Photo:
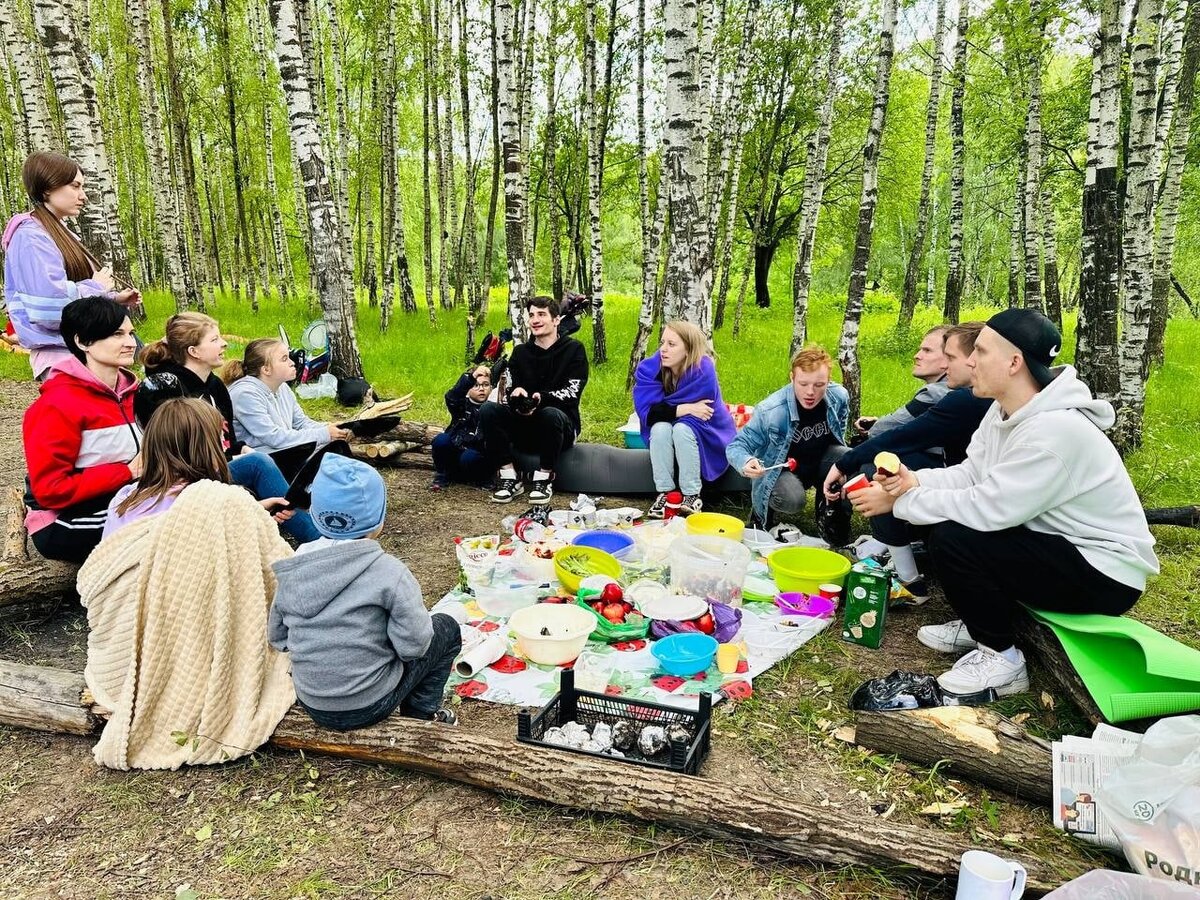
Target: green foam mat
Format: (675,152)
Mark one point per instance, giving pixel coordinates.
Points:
(1131,671)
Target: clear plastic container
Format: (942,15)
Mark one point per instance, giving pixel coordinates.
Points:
(709,566)
(594,670)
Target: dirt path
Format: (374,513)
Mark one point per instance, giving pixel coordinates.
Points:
(280,825)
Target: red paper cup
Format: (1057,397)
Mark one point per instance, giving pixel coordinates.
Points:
(831,592)
(857,483)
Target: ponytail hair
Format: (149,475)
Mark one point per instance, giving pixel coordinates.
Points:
(256,358)
(42,173)
(183,330)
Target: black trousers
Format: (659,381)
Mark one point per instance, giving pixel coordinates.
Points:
(986,574)
(75,533)
(546,434)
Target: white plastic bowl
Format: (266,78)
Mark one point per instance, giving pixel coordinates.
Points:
(568,626)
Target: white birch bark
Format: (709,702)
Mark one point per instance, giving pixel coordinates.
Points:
(908,299)
(330,268)
(525,98)
(689,259)
(1136,245)
(958,156)
(515,213)
(551,152)
(164,216)
(279,243)
(470,268)
(1032,234)
(35,118)
(599,344)
(814,183)
(848,343)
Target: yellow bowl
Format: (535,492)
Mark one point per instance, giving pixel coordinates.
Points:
(807,568)
(597,562)
(716,523)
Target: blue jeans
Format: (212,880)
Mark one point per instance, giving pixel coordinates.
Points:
(462,464)
(258,473)
(420,689)
(671,444)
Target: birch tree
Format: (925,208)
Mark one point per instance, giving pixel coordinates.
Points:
(38,126)
(330,269)
(958,156)
(174,247)
(515,214)
(469,269)
(551,152)
(848,344)
(689,261)
(1096,346)
(242,242)
(278,235)
(814,183)
(908,300)
(1031,233)
(599,342)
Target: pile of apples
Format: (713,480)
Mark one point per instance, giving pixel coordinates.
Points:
(611,604)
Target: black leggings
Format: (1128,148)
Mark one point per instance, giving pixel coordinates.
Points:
(986,574)
(75,533)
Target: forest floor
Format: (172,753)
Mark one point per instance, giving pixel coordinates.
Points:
(283,825)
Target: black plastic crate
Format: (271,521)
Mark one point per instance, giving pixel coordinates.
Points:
(588,708)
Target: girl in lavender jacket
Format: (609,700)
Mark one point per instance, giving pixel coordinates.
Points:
(45,265)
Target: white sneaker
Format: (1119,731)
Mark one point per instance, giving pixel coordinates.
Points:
(952,637)
(984,668)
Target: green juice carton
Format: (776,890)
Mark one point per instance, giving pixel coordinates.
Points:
(865,606)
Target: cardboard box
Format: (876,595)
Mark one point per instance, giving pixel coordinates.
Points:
(865,605)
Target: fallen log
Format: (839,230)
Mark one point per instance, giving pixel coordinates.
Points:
(25,575)
(414,432)
(780,827)
(1183,516)
(977,744)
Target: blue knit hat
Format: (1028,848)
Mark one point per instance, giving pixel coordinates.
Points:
(349,499)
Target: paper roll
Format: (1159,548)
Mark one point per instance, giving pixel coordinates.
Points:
(480,655)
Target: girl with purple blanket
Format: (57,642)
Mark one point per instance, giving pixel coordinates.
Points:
(684,420)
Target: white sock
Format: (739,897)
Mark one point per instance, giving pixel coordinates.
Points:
(541,475)
(904,563)
(508,472)
(1012,654)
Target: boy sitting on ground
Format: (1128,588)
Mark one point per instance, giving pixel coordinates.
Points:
(352,617)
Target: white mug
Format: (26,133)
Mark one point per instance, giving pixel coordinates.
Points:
(985,876)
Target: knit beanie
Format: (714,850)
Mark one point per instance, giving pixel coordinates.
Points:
(349,499)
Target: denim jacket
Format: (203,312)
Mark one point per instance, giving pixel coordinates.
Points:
(769,433)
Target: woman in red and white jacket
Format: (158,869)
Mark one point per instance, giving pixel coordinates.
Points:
(82,442)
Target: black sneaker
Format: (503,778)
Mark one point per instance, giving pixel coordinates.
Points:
(657,507)
(445,716)
(691,504)
(507,489)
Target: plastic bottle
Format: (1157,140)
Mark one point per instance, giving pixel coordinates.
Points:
(674,504)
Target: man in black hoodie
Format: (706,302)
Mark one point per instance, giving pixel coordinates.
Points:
(540,413)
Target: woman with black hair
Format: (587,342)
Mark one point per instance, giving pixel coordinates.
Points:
(82,442)
(45,265)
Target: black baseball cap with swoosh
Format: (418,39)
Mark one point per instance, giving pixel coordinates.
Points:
(1034,335)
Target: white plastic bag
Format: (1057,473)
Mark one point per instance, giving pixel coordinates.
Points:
(1152,802)
(1101,884)
(325,386)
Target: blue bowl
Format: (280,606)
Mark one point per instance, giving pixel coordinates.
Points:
(615,543)
(685,654)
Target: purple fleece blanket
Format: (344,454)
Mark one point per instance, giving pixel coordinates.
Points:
(699,383)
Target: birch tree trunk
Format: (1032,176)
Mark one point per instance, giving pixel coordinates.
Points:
(814,183)
(454,266)
(341,143)
(688,292)
(1032,232)
(55,26)
(469,269)
(599,342)
(489,245)
(428,100)
(551,154)
(330,268)
(1050,261)
(164,217)
(958,155)
(1014,242)
(433,86)
(279,242)
(908,300)
(848,344)
(525,129)
(239,182)
(35,117)
(515,213)
(1168,206)
(1137,251)
(1099,292)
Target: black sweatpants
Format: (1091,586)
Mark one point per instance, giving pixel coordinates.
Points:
(546,433)
(986,574)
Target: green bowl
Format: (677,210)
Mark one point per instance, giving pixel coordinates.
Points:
(807,568)
(596,562)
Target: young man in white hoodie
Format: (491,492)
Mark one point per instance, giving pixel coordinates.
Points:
(1041,512)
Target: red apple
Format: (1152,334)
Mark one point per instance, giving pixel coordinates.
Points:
(706,624)
(614,613)
(612,593)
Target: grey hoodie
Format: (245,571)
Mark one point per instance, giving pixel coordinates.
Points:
(1050,468)
(272,420)
(350,615)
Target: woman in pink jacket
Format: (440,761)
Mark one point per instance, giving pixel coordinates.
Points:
(45,264)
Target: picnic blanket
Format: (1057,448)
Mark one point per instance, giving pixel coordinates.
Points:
(514,680)
(177,611)
(1131,671)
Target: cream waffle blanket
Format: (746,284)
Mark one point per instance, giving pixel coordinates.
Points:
(177,610)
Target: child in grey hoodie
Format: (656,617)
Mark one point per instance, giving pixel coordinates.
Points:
(352,617)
